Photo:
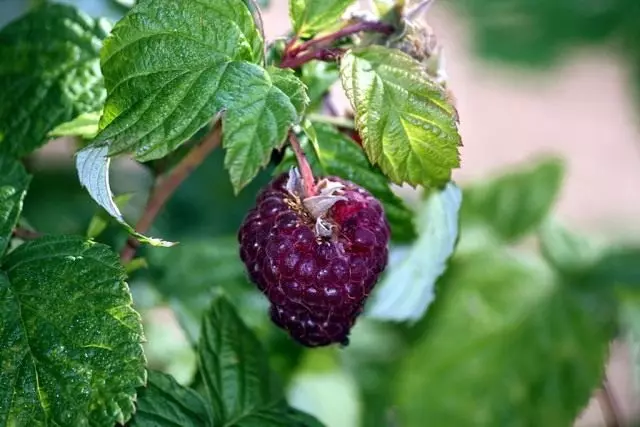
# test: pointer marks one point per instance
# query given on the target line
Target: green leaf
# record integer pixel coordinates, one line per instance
(69, 338)
(514, 204)
(234, 366)
(312, 16)
(406, 121)
(164, 402)
(251, 134)
(540, 33)
(14, 182)
(617, 266)
(189, 275)
(339, 155)
(318, 77)
(49, 74)
(196, 74)
(630, 322)
(92, 164)
(507, 345)
(85, 126)
(408, 288)
(568, 252)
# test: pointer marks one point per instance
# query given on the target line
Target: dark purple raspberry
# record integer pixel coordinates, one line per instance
(316, 259)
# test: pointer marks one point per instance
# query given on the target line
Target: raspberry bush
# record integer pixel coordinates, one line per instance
(291, 228)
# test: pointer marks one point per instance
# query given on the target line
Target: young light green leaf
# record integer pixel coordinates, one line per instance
(234, 367)
(164, 402)
(196, 74)
(514, 204)
(312, 16)
(408, 288)
(70, 341)
(92, 164)
(14, 182)
(85, 126)
(339, 155)
(497, 319)
(407, 123)
(49, 74)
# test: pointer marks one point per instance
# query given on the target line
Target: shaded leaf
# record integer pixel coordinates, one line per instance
(84, 126)
(497, 319)
(234, 366)
(408, 288)
(312, 16)
(14, 182)
(92, 164)
(514, 204)
(339, 155)
(407, 124)
(49, 74)
(164, 402)
(189, 276)
(69, 338)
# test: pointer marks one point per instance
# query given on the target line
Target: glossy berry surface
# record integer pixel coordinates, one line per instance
(317, 282)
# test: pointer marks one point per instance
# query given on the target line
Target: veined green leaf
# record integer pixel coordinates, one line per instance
(408, 288)
(49, 74)
(167, 75)
(69, 338)
(406, 121)
(514, 204)
(250, 134)
(312, 16)
(13, 187)
(234, 366)
(340, 156)
(497, 318)
(84, 126)
(164, 402)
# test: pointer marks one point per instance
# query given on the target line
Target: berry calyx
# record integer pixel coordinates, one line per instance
(316, 258)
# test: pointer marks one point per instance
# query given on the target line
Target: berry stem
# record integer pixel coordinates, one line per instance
(167, 184)
(305, 168)
(25, 234)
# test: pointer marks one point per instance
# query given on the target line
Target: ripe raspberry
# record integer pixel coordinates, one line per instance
(316, 258)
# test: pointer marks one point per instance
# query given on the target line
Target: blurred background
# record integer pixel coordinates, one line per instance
(530, 78)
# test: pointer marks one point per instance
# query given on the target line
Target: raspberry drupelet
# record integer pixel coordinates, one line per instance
(315, 258)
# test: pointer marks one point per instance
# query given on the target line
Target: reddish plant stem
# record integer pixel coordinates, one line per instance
(305, 169)
(24, 234)
(321, 55)
(166, 185)
(378, 27)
